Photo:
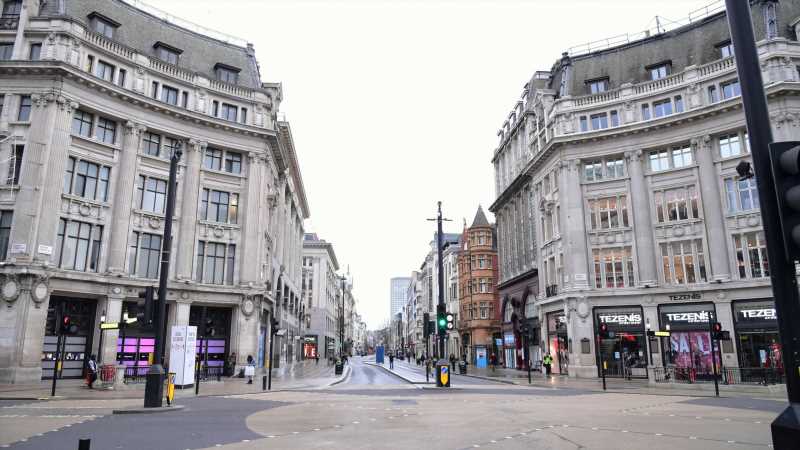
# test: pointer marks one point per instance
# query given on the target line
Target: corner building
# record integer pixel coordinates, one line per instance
(617, 192)
(95, 97)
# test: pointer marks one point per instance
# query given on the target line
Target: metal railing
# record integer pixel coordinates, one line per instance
(728, 375)
(136, 374)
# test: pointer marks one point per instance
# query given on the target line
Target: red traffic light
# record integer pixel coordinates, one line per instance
(716, 327)
(603, 328)
(66, 321)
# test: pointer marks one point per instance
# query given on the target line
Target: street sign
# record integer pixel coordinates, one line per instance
(662, 333)
(109, 326)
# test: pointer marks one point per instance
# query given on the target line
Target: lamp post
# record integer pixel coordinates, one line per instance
(341, 319)
(100, 342)
(647, 342)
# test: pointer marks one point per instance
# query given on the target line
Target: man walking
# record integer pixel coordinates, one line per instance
(547, 361)
(391, 360)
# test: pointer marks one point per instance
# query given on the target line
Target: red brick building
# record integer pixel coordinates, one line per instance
(479, 301)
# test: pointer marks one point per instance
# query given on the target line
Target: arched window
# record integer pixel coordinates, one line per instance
(771, 20)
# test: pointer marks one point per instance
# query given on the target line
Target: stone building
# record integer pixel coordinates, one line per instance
(321, 287)
(618, 200)
(97, 95)
(479, 314)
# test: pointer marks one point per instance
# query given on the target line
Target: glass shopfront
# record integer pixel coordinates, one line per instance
(510, 349)
(688, 348)
(557, 343)
(76, 347)
(310, 346)
(757, 337)
(212, 349)
(624, 351)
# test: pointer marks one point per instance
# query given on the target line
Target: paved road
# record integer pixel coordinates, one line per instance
(364, 374)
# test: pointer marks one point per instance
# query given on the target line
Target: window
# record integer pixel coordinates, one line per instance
(167, 53)
(730, 89)
(243, 116)
(584, 123)
(670, 159)
(609, 212)
(169, 95)
(219, 206)
(36, 52)
(599, 121)
(86, 179)
(645, 112)
(89, 63)
(104, 70)
(144, 255)
(729, 146)
(613, 268)
(713, 97)
(215, 108)
(725, 49)
(678, 104)
(78, 245)
(597, 86)
(484, 308)
(662, 108)
(683, 262)
(154, 89)
(213, 159)
(151, 194)
(106, 130)
(102, 25)
(24, 114)
(82, 124)
(742, 195)
(215, 262)
(121, 77)
(659, 71)
(184, 99)
(676, 204)
(226, 73)
(15, 166)
(12, 8)
(2, 103)
(751, 255)
(6, 51)
(609, 168)
(170, 145)
(770, 20)
(229, 112)
(614, 118)
(233, 162)
(5, 232)
(151, 144)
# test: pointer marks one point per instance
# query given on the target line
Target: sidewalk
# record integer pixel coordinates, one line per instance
(410, 372)
(300, 375)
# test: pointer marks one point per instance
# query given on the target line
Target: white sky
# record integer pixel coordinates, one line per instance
(395, 105)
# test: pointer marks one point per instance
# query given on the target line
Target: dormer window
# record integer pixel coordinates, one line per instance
(228, 74)
(725, 49)
(167, 53)
(103, 25)
(660, 70)
(597, 86)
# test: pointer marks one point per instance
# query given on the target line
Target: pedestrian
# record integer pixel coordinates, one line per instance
(493, 362)
(91, 375)
(452, 362)
(316, 358)
(250, 369)
(547, 361)
(391, 360)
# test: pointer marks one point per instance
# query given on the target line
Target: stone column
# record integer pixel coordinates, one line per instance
(19, 39)
(113, 308)
(653, 345)
(23, 315)
(249, 217)
(642, 223)
(572, 226)
(123, 197)
(42, 170)
(725, 317)
(712, 210)
(189, 206)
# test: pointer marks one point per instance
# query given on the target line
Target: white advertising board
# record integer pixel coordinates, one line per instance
(183, 343)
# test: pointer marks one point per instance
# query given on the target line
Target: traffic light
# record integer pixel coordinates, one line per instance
(441, 321)
(426, 329)
(209, 328)
(603, 331)
(67, 327)
(451, 321)
(275, 324)
(146, 307)
(431, 327)
(785, 158)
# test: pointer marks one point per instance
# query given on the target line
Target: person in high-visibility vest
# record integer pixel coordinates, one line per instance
(547, 362)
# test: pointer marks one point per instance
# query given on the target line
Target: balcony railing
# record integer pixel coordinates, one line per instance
(9, 22)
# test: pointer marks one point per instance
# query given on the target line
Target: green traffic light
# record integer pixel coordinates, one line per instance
(441, 322)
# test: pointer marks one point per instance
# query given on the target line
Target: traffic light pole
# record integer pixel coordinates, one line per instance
(786, 427)
(154, 387)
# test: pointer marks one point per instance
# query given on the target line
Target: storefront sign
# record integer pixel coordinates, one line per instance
(508, 339)
(764, 314)
(621, 319)
(692, 296)
(689, 317)
(686, 317)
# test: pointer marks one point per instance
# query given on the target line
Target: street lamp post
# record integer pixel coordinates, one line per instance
(100, 343)
(341, 319)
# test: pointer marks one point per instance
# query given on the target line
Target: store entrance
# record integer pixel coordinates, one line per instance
(759, 349)
(76, 347)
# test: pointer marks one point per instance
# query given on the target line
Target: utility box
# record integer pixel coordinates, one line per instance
(442, 373)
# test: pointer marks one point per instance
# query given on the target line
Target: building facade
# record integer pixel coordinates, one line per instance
(618, 200)
(398, 289)
(99, 95)
(479, 323)
(321, 287)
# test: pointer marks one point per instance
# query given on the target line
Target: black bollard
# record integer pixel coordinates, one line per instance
(264, 383)
(84, 444)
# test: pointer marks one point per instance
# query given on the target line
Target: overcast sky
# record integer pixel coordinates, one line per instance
(396, 105)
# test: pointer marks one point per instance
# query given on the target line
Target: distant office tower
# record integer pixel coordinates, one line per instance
(399, 288)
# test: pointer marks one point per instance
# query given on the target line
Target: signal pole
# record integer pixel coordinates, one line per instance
(154, 387)
(441, 308)
(786, 427)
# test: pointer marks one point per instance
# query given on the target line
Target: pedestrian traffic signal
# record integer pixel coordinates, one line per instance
(451, 321)
(431, 327)
(441, 321)
(785, 158)
(603, 331)
(67, 327)
(426, 327)
(146, 307)
(716, 331)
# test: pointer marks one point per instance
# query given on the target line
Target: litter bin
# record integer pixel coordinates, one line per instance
(462, 367)
(339, 367)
